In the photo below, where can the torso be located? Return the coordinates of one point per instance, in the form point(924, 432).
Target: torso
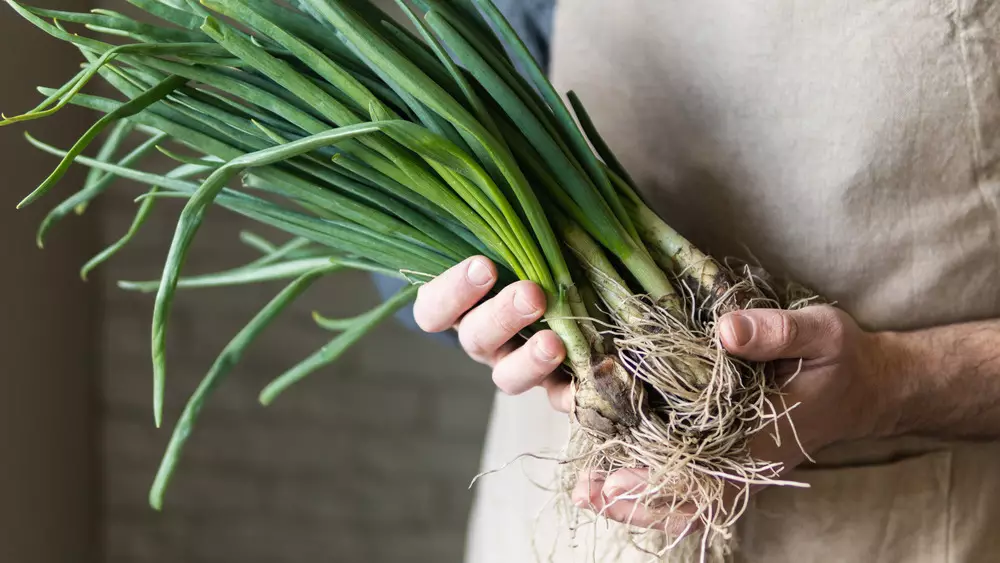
point(853, 145)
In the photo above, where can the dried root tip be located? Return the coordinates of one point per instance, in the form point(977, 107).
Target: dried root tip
point(725, 297)
point(725, 291)
point(748, 286)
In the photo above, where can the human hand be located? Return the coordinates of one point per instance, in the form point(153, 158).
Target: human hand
point(488, 331)
point(833, 370)
point(835, 380)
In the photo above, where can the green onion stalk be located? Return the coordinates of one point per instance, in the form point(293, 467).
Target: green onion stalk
point(402, 152)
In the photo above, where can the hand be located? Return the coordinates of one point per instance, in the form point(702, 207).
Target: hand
point(834, 375)
point(942, 381)
point(488, 331)
point(833, 370)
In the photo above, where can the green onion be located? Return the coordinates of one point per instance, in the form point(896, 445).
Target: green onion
point(379, 150)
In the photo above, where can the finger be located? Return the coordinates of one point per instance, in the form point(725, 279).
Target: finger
point(560, 391)
point(587, 492)
point(507, 349)
point(787, 438)
point(770, 334)
point(784, 455)
point(626, 482)
point(443, 300)
point(622, 498)
point(627, 501)
point(635, 513)
point(487, 327)
point(528, 366)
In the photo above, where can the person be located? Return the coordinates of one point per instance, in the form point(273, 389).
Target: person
point(851, 145)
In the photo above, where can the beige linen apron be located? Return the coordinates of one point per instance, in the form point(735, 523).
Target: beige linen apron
point(852, 144)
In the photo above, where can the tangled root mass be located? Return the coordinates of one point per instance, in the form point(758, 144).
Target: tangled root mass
point(697, 410)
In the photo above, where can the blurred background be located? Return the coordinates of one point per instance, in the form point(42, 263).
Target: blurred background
point(369, 460)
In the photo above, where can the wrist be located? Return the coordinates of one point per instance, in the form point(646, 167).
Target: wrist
point(897, 380)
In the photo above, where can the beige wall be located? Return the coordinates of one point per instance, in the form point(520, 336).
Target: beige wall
point(48, 473)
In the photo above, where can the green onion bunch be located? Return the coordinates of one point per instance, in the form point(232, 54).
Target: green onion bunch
point(401, 153)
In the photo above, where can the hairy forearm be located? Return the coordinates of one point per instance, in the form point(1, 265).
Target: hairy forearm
point(944, 381)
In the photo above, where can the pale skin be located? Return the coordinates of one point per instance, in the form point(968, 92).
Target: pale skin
point(849, 384)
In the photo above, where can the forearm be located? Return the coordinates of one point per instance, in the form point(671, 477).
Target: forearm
point(944, 381)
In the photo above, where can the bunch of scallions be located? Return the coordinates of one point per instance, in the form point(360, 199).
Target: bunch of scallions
point(383, 150)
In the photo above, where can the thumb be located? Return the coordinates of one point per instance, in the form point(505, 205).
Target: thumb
point(763, 335)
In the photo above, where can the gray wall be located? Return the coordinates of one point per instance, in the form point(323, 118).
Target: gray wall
point(48, 460)
point(368, 460)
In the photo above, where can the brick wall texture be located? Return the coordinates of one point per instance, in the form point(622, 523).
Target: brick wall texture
point(368, 460)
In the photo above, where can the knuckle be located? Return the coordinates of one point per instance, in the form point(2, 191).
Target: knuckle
point(836, 332)
point(834, 327)
point(472, 343)
point(786, 330)
point(501, 318)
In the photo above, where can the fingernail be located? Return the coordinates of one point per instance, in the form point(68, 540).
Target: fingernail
point(738, 330)
point(479, 274)
point(543, 353)
point(523, 305)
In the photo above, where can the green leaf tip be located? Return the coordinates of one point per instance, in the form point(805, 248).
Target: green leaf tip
point(123, 111)
point(156, 500)
point(159, 385)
